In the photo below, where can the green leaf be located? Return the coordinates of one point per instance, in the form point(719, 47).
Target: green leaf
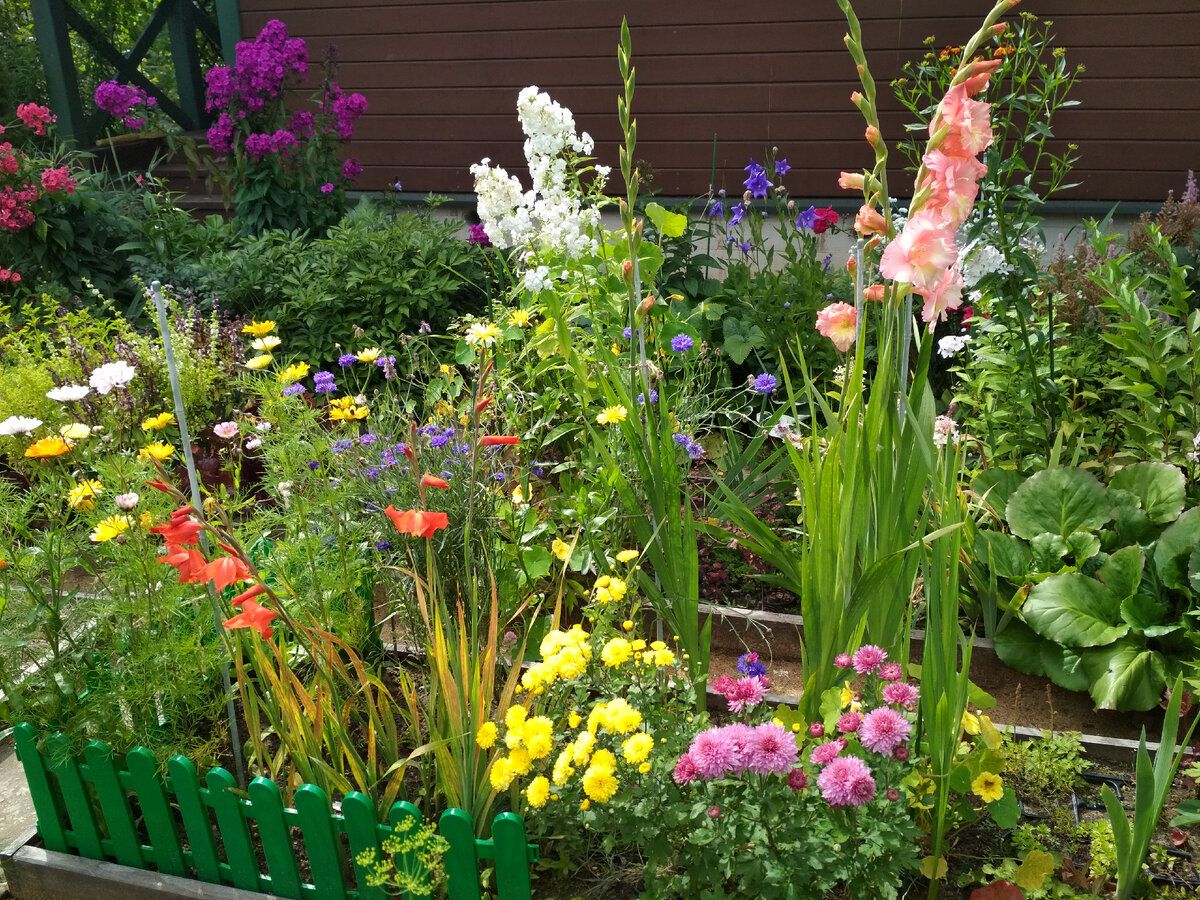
point(995, 486)
point(1048, 552)
point(960, 779)
point(1025, 650)
point(464, 353)
point(1125, 675)
point(1058, 501)
point(1075, 610)
point(1084, 545)
point(1174, 547)
point(1008, 556)
point(1159, 486)
point(669, 223)
point(1143, 612)
point(1186, 813)
point(1122, 571)
point(1006, 811)
point(537, 561)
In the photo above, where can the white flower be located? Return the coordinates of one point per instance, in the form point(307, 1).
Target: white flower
point(253, 443)
point(945, 430)
point(112, 375)
point(126, 501)
point(952, 344)
point(538, 280)
point(226, 430)
point(285, 492)
point(15, 425)
point(264, 427)
point(68, 393)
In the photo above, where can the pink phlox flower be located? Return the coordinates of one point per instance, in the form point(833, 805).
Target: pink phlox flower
point(685, 770)
point(846, 781)
point(890, 671)
point(868, 658)
point(921, 252)
point(825, 753)
point(849, 722)
point(883, 730)
point(773, 750)
point(714, 753)
point(901, 693)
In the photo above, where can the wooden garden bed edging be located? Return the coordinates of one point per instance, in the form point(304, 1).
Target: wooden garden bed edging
point(85, 806)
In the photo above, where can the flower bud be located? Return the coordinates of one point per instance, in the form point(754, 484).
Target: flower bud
point(869, 221)
point(874, 138)
point(627, 269)
point(851, 181)
point(747, 198)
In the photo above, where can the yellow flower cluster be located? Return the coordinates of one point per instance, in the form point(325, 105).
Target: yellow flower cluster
point(565, 656)
point(110, 528)
point(159, 451)
point(609, 590)
point(294, 372)
point(527, 740)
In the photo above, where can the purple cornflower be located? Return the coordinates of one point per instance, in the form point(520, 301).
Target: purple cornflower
point(764, 383)
point(748, 664)
point(372, 473)
point(641, 398)
point(717, 209)
point(347, 359)
point(367, 439)
point(682, 343)
point(388, 364)
point(757, 183)
point(383, 545)
point(313, 465)
point(293, 390)
point(782, 167)
point(341, 446)
point(324, 385)
point(499, 476)
point(807, 219)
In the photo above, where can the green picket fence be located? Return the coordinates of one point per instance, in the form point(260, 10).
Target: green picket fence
point(122, 810)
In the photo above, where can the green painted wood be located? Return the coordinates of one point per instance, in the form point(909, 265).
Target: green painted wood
point(156, 811)
point(512, 857)
point(401, 812)
point(114, 804)
point(49, 818)
point(78, 804)
point(62, 80)
point(276, 838)
point(324, 856)
point(462, 865)
point(235, 834)
point(362, 830)
point(186, 56)
point(230, 24)
point(197, 824)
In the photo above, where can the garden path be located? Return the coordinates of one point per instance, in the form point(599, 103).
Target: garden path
point(16, 809)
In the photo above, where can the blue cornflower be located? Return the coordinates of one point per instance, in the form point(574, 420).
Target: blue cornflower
point(681, 439)
point(682, 343)
point(782, 167)
point(538, 471)
point(738, 212)
point(347, 359)
point(787, 305)
point(341, 446)
point(748, 664)
point(313, 465)
point(653, 397)
point(371, 473)
point(757, 183)
point(323, 376)
point(293, 390)
point(440, 440)
point(324, 387)
point(499, 476)
point(367, 439)
point(807, 219)
point(383, 545)
point(764, 383)
point(447, 475)
point(717, 209)
point(628, 332)
point(745, 247)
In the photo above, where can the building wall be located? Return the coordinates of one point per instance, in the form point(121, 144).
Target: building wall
point(441, 78)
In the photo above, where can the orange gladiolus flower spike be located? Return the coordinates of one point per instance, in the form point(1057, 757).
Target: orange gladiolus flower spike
point(434, 481)
point(498, 440)
point(255, 616)
point(181, 528)
point(187, 560)
point(417, 522)
point(225, 571)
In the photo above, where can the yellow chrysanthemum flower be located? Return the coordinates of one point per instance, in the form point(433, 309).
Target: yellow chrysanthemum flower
point(159, 451)
point(515, 717)
point(76, 431)
point(562, 767)
point(294, 372)
point(483, 334)
point(637, 748)
point(368, 355)
point(520, 317)
point(627, 556)
point(627, 625)
point(109, 528)
point(599, 783)
point(988, 787)
point(266, 344)
point(620, 717)
point(612, 415)
point(560, 550)
point(258, 362)
point(581, 750)
point(574, 719)
point(486, 736)
point(259, 329)
point(159, 422)
point(538, 735)
point(521, 761)
point(644, 768)
point(47, 448)
point(84, 494)
point(538, 792)
point(502, 773)
point(616, 652)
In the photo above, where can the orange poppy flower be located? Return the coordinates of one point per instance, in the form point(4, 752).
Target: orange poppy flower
point(47, 448)
point(255, 616)
point(417, 522)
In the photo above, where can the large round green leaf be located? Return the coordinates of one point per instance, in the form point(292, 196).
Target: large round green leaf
point(1125, 675)
point(995, 486)
point(1074, 610)
point(1159, 487)
point(1006, 555)
point(1058, 501)
point(1174, 547)
point(1122, 571)
point(1020, 647)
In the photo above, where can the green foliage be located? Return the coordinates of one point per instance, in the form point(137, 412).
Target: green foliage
point(413, 861)
point(1047, 768)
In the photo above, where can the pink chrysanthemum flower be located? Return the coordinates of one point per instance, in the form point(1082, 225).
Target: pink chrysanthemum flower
point(842, 660)
point(773, 750)
point(902, 693)
point(714, 753)
point(849, 722)
point(868, 658)
point(723, 685)
point(741, 736)
point(823, 754)
point(797, 780)
point(817, 729)
point(891, 671)
point(685, 770)
point(746, 693)
point(846, 781)
point(883, 730)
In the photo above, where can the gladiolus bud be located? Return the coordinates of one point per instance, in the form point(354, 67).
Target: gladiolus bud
point(434, 481)
point(851, 181)
point(482, 404)
point(851, 266)
point(645, 306)
point(627, 269)
point(499, 440)
point(874, 292)
point(874, 138)
point(487, 370)
point(872, 244)
point(869, 221)
point(856, 98)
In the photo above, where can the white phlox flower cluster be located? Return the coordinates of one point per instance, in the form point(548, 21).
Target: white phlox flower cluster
point(549, 217)
point(979, 258)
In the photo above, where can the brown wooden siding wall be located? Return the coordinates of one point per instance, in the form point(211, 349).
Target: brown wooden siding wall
point(441, 78)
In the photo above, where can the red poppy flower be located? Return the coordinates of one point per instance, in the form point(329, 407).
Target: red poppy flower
point(253, 616)
point(189, 561)
point(417, 522)
point(225, 571)
point(434, 481)
point(497, 440)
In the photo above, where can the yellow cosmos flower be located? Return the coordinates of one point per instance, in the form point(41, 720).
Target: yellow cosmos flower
point(520, 317)
point(76, 431)
point(159, 451)
point(483, 334)
point(294, 372)
point(84, 494)
point(538, 792)
point(266, 343)
point(259, 329)
point(159, 422)
point(368, 354)
point(486, 738)
point(560, 550)
point(627, 556)
point(109, 528)
point(612, 415)
point(258, 362)
point(988, 787)
point(47, 448)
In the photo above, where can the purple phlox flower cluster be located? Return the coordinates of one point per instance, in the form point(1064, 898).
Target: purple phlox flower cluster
point(477, 235)
point(764, 383)
point(351, 169)
point(883, 729)
point(868, 658)
point(341, 446)
point(260, 145)
point(748, 664)
point(346, 360)
point(682, 343)
point(302, 124)
point(294, 390)
point(327, 188)
point(736, 216)
point(121, 101)
point(756, 182)
point(323, 383)
point(782, 167)
point(846, 781)
point(262, 66)
point(687, 442)
point(717, 209)
point(641, 398)
point(767, 749)
point(743, 693)
point(345, 109)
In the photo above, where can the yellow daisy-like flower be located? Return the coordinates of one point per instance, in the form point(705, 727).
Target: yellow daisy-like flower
point(259, 329)
point(520, 317)
point(483, 334)
point(353, 412)
point(585, 805)
point(258, 362)
point(987, 786)
point(47, 448)
point(627, 556)
point(644, 768)
point(109, 528)
point(159, 422)
point(159, 451)
point(538, 792)
point(518, 496)
point(637, 748)
point(84, 494)
point(76, 431)
point(620, 717)
point(560, 550)
point(599, 783)
point(612, 415)
point(368, 355)
point(847, 696)
point(486, 737)
point(266, 344)
point(294, 372)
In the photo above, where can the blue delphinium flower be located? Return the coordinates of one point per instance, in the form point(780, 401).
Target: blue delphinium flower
point(807, 219)
point(764, 383)
point(347, 359)
point(757, 183)
point(782, 167)
point(682, 343)
point(748, 664)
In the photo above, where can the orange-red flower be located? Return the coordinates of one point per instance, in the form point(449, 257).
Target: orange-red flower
point(224, 571)
point(497, 440)
point(434, 481)
point(253, 615)
point(159, 486)
point(181, 528)
point(47, 448)
point(248, 594)
point(417, 522)
point(187, 560)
